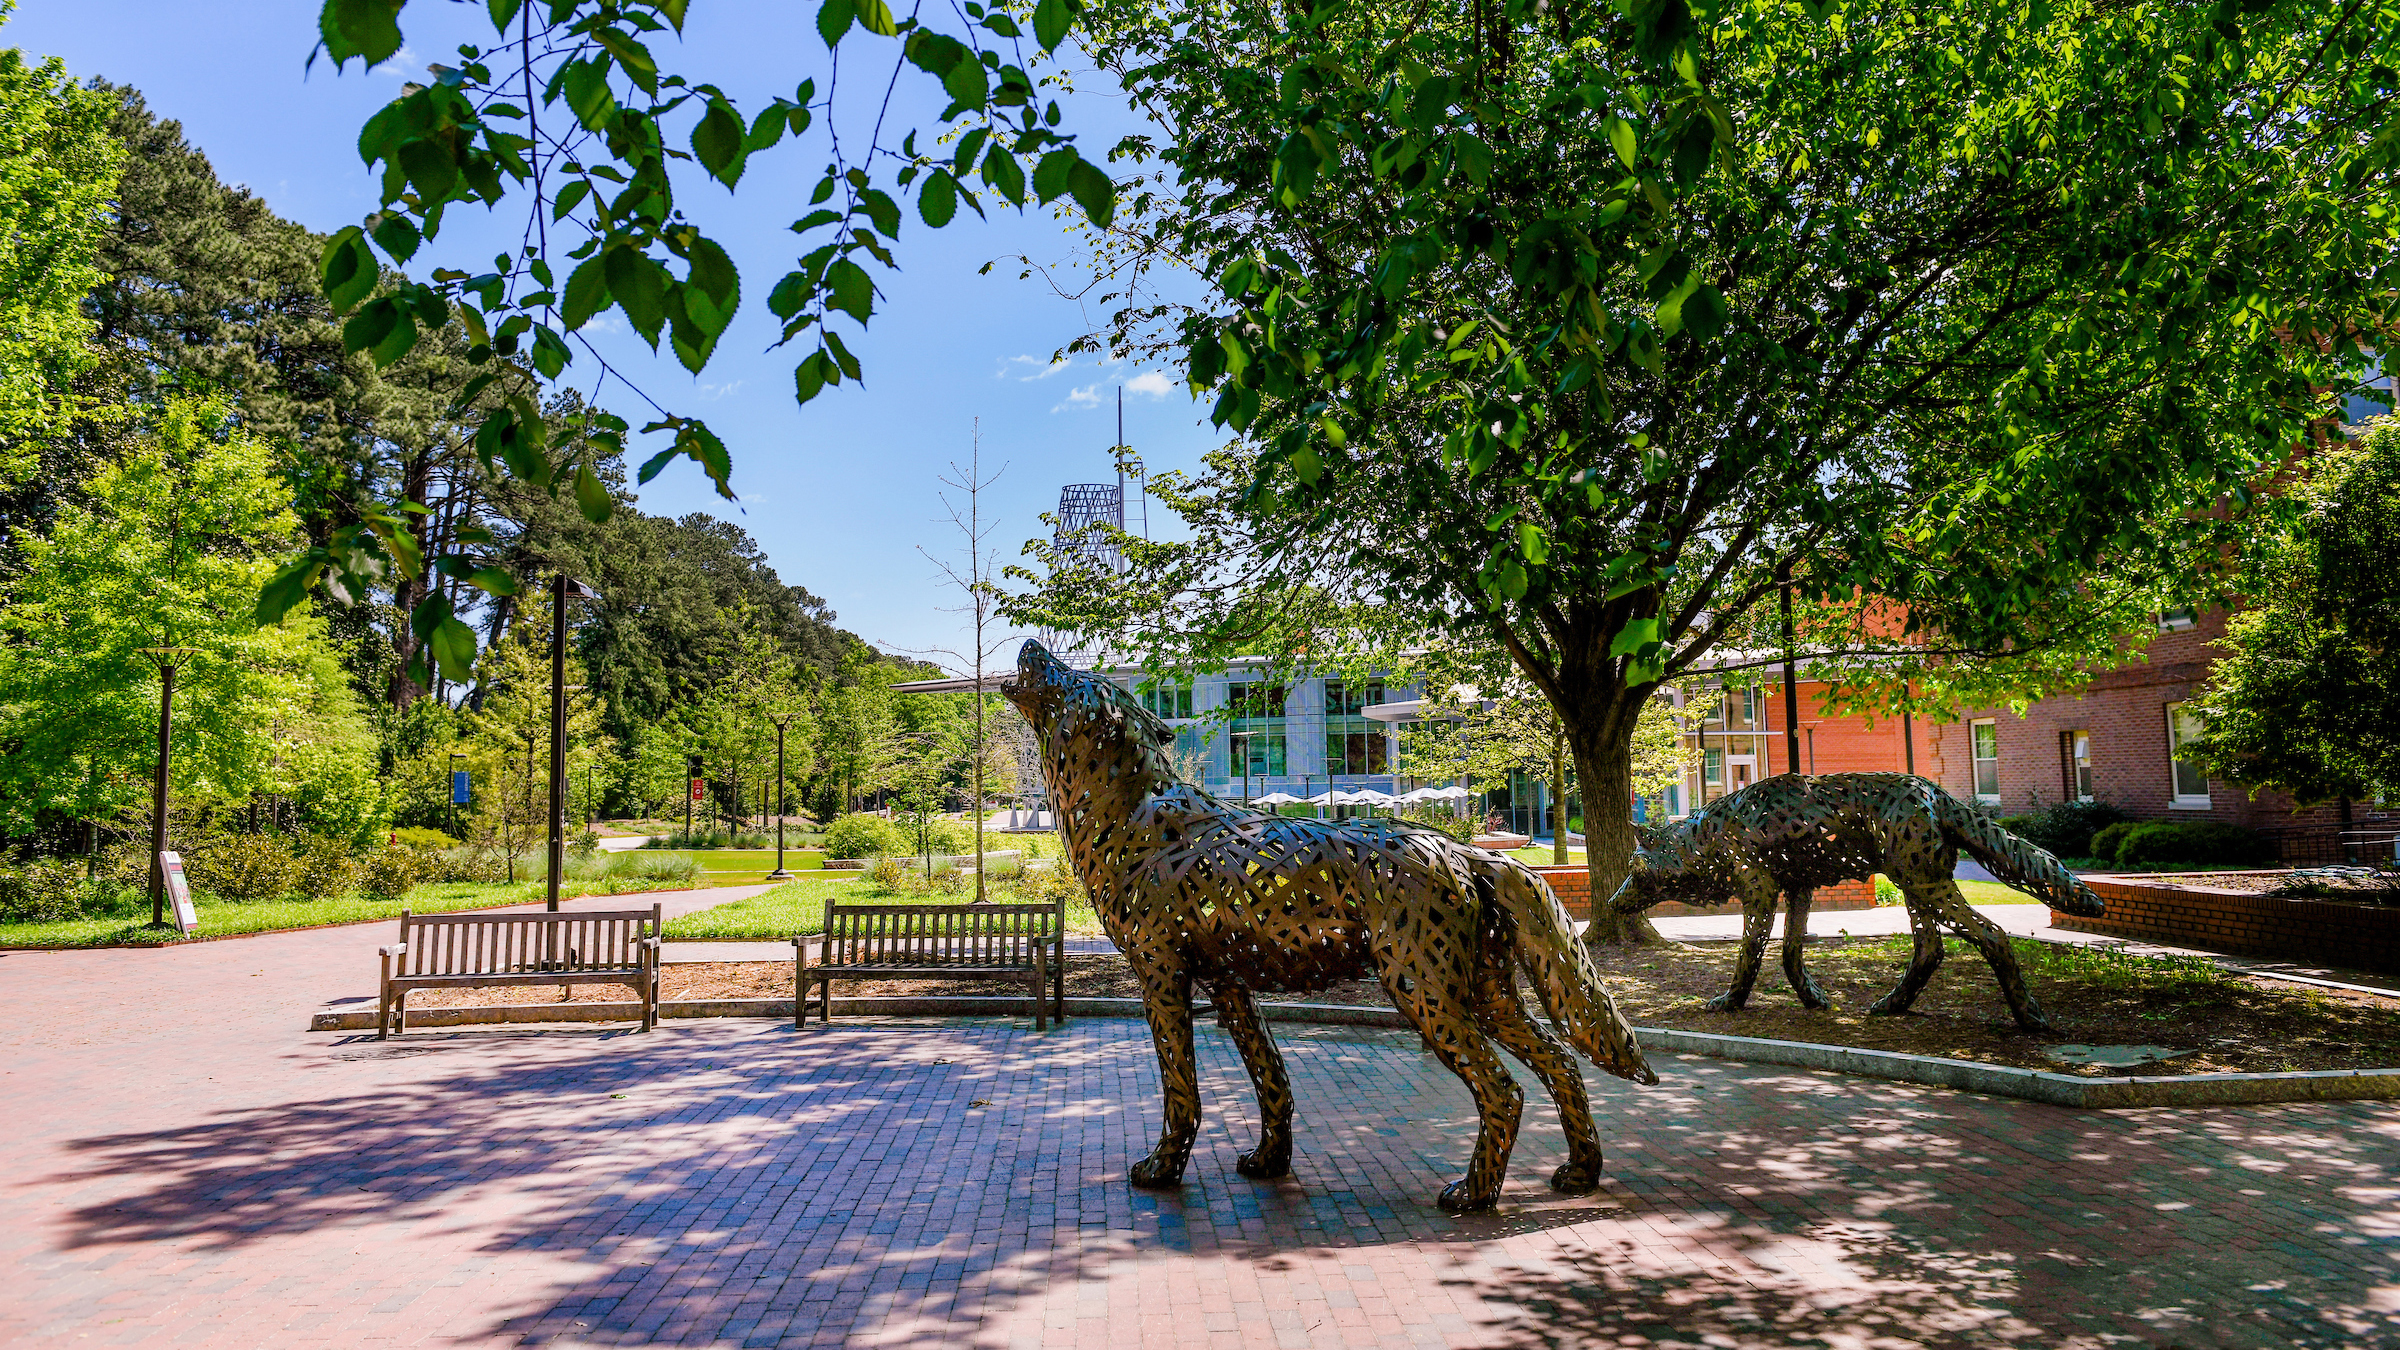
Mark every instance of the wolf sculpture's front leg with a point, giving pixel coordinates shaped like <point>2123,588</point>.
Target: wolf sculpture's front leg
<point>1795,955</point>
<point>1238,1014</point>
<point>1758,920</point>
<point>1167,1003</point>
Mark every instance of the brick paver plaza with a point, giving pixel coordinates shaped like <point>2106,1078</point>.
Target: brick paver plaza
<point>189,1167</point>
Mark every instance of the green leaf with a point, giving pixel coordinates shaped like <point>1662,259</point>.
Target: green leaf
<point>1051,20</point>
<point>640,289</point>
<point>1637,634</point>
<point>367,29</point>
<point>721,144</point>
<point>396,234</point>
<point>349,272</point>
<point>1093,192</point>
<point>1000,169</point>
<point>587,293</point>
<point>714,290</point>
<point>592,496</point>
<point>288,587</point>
<point>569,197</point>
<point>937,201</point>
<point>968,83</point>
<point>1050,175</point>
<point>1474,157</point>
<point>504,12</point>
<point>550,354</point>
<point>808,380</point>
<point>1531,543</point>
<point>1620,135</point>
<point>853,292</point>
<point>876,17</point>
<point>882,210</point>
<point>383,329</point>
<point>453,646</point>
<point>833,20</point>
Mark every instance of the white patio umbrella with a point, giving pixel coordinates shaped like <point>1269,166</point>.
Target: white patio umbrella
<point>1370,797</point>
<point>1275,799</point>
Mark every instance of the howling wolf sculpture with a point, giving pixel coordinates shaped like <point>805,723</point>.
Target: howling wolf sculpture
<point>1198,892</point>
<point>1792,834</point>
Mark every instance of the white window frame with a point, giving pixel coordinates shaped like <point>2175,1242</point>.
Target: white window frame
<point>1975,762</point>
<point>2177,798</point>
<point>2177,620</point>
<point>2079,763</point>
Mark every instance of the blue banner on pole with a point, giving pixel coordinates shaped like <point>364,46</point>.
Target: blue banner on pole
<point>458,787</point>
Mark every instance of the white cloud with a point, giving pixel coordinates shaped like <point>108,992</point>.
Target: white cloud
<point>713,392</point>
<point>1017,367</point>
<point>1085,398</point>
<point>1153,383</point>
<point>402,63</point>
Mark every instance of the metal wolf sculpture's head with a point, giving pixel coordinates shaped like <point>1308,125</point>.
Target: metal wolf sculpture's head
<point>1663,870</point>
<point>1097,743</point>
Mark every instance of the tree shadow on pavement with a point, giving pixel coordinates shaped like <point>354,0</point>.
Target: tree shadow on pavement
<point>963,1181</point>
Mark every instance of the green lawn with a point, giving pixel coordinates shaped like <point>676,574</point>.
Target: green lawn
<point>744,866</point>
<point>219,918</point>
<point>798,907</point>
<point>1542,857</point>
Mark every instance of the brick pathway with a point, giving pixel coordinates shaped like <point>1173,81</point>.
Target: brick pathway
<point>190,1168</point>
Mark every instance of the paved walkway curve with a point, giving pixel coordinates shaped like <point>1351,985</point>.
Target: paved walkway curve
<point>191,1168</point>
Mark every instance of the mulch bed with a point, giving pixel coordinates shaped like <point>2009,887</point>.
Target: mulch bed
<point>2235,1024</point>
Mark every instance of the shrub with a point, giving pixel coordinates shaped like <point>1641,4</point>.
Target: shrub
<point>325,868</point>
<point>2108,839</point>
<point>1887,892</point>
<point>940,836</point>
<point>2190,842</point>
<point>243,867</point>
<point>389,873</point>
<point>467,863</point>
<point>655,868</point>
<point>2066,828</point>
<point>1056,883</point>
<point>886,871</point>
<point>421,839</point>
<point>42,890</point>
<point>864,836</point>
<point>1442,821</point>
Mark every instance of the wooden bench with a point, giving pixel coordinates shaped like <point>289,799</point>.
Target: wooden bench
<point>1020,943</point>
<point>482,951</point>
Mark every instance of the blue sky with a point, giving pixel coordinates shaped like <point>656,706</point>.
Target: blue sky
<point>841,494</point>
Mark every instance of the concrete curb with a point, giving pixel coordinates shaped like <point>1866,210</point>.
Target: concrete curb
<point>1995,1080</point>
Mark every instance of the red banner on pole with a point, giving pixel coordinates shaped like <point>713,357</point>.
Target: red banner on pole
<point>698,786</point>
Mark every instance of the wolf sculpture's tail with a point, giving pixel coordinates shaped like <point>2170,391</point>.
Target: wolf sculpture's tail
<point>1562,970</point>
<point>2012,859</point>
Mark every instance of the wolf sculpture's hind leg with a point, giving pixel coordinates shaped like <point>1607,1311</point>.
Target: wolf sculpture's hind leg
<point>1167,1003</point>
<point>1441,1003</point>
<point>1758,920</point>
<point>1795,958</point>
<point>1238,1014</point>
<point>1502,1016</point>
<point>1988,939</point>
<point>1924,926</point>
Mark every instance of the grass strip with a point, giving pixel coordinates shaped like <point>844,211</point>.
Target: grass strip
<point>797,908</point>
<point>232,918</point>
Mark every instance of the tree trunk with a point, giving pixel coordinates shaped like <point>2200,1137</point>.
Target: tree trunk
<point>1604,761</point>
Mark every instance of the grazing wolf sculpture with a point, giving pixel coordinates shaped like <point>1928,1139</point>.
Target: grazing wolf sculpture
<point>1792,834</point>
<point>1195,891</point>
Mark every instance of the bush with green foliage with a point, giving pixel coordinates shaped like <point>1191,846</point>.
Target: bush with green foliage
<point>422,839</point>
<point>389,873</point>
<point>42,890</point>
<point>2109,838</point>
<point>2065,828</point>
<point>324,869</point>
<point>243,867</point>
<point>1443,821</point>
<point>865,836</point>
<point>2191,842</point>
<point>1887,891</point>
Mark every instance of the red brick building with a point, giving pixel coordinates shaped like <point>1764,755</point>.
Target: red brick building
<point>2115,741</point>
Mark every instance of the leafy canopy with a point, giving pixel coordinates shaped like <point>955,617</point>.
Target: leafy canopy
<point>570,111</point>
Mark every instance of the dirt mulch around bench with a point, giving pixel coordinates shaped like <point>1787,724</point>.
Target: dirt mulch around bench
<point>2235,1024</point>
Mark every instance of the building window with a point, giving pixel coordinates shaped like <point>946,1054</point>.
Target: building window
<point>2176,620</point>
<point>1712,771</point>
<point>1351,698</point>
<point>1986,735</point>
<point>1254,700</point>
<point>1356,746</point>
<point>2079,765</point>
<point>1258,754</point>
<point>2191,782</point>
<point>1167,703</point>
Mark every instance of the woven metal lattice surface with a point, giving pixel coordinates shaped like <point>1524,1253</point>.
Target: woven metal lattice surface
<point>1201,894</point>
<point>1791,834</point>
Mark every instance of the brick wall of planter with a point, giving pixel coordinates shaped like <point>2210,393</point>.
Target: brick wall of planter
<point>2156,908</point>
<point>1574,888</point>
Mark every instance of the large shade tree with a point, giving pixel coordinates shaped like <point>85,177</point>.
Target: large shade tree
<point>1583,329</point>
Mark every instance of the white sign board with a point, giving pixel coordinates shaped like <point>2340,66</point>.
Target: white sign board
<point>170,864</point>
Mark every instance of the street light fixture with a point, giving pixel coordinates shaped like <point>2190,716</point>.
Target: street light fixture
<point>781,722</point>
<point>561,589</point>
<point>165,659</point>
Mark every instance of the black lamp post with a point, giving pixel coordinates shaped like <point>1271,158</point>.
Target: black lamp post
<point>165,658</point>
<point>561,589</point>
<point>780,723</point>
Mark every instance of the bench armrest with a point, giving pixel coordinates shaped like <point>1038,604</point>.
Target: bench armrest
<point>396,949</point>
